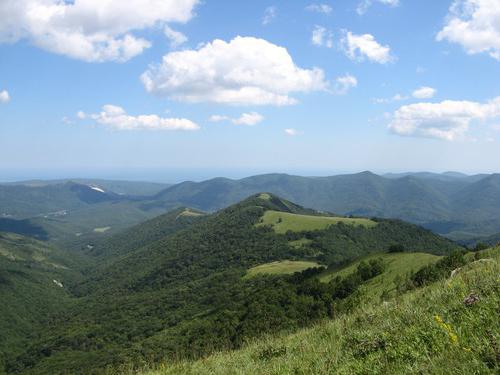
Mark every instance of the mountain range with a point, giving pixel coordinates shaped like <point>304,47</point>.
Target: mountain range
<point>185,284</point>
<point>458,206</point>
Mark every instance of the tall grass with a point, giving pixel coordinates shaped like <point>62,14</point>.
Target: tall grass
<point>427,331</point>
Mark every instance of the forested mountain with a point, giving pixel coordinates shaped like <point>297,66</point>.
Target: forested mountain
<point>33,278</point>
<point>121,187</point>
<point>458,206</point>
<point>69,212</point>
<point>185,292</point>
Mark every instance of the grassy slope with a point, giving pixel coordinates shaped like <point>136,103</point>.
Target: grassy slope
<point>396,265</point>
<point>280,268</point>
<point>300,223</point>
<point>428,331</point>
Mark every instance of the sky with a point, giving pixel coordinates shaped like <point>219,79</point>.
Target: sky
<point>172,89</point>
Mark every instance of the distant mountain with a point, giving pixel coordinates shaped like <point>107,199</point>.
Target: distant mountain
<point>69,212</point>
<point>454,205</point>
<point>184,292</point>
<point>140,188</point>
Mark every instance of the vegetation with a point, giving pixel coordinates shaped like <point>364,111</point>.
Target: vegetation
<point>282,222</point>
<point>398,267</point>
<point>459,207</point>
<point>280,268</point>
<point>177,290</point>
<point>439,329</point>
<point>33,278</point>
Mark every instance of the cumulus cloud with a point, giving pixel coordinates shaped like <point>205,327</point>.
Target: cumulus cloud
<point>361,47</point>
<point>250,119</point>
<point>448,120</point>
<point>176,38</point>
<point>364,5</point>
<point>291,132</point>
<point>322,37</point>
<point>244,71</point>
<point>424,92</point>
<point>116,118</point>
<point>319,8</point>
<point>344,83</point>
<point>269,15</point>
<point>474,24</point>
<point>4,96</point>
<point>89,30</point>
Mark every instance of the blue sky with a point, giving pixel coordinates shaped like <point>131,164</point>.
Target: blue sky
<point>308,87</point>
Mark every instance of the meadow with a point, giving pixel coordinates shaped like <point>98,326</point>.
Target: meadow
<point>283,222</point>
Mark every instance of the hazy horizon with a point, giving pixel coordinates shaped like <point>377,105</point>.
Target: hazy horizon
<point>170,175</point>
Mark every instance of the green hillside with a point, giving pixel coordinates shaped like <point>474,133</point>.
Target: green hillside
<point>184,295</point>
<point>282,267</point>
<point>460,207</point>
<point>439,329</point>
<point>454,205</point>
<point>147,232</point>
<point>396,267</point>
<point>67,213</point>
<point>33,287</point>
<point>283,222</point>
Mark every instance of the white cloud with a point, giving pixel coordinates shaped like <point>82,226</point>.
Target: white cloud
<point>250,119</point>
<point>116,118</point>
<point>360,47</point>
<point>474,24</point>
<point>322,37</point>
<point>4,96</point>
<point>448,120</point>
<point>424,92</point>
<point>81,115</point>
<point>344,83</point>
<point>291,132</point>
<point>244,71</point>
<point>89,30</point>
<point>176,38</point>
<point>66,120</point>
<point>319,8</point>
<point>496,127</point>
<point>395,98</point>
<point>269,15</point>
<point>364,5</point>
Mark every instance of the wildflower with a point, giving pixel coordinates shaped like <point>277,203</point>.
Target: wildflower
<point>447,328</point>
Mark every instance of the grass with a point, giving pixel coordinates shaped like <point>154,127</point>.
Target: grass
<point>396,265</point>
<point>102,229</point>
<point>188,212</point>
<point>265,196</point>
<point>284,221</point>
<point>280,267</point>
<point>427,331</point>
